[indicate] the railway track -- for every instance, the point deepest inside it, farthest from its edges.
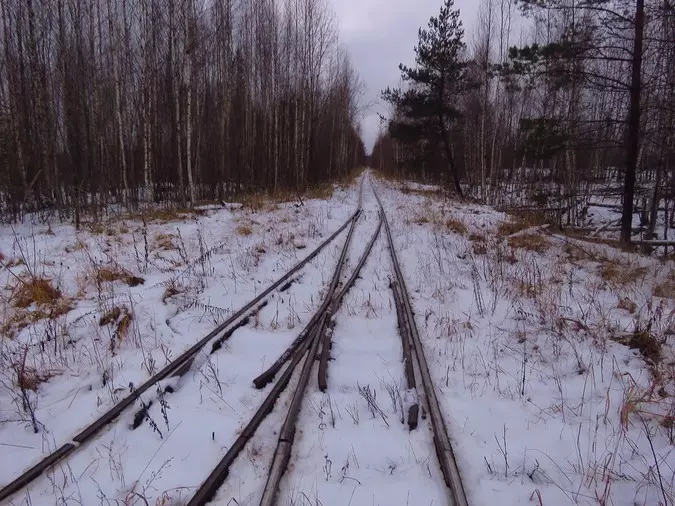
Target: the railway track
(177, 367)
(443, 447)
(313, 344)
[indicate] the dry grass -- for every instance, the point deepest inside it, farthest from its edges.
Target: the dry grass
(34, 290)
(166, 214)
(627, 305)
(33, 299)
(28, 378)
(479, 244)
(422, 192)
(320, 191)
(507, 228)
(265, 201)
(350, 178)
(665, 289)
(422, 220)
(244, 230)
(575, 234)
(255, 201)
(77, 246)
(110, 316)
(165, 241)
(652, 402)
(10, 262)
(619, 273)
(456, 226)
(117, 273)
(529, 290)
(170, 291)
(22, 318)
(530, 242)
(518, 223)
(120, 317)
(576, 253)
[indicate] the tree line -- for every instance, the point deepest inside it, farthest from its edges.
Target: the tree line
(136, 101)
(584, 100)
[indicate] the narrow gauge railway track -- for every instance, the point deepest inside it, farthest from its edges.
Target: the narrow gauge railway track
(414, 351)
(305, 346)
(313, 342)
(181, 364)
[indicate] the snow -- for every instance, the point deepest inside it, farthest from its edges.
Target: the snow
(541, 401)
(532, 400)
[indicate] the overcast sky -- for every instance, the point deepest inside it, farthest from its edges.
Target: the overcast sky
(379, 35)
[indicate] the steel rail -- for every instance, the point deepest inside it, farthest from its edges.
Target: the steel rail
(267, 376)
(406, 344)
(311, 333)
(444, 452)
(282, 453)
(176, 367)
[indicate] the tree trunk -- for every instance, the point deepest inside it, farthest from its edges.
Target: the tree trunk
(633, 134)
(452, 168)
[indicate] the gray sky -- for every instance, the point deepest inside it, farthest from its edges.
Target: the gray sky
(379, 35)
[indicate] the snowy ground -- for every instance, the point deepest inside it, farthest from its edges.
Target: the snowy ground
(527, 336)
(543, 403)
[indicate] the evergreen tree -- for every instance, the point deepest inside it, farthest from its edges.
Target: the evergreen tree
(428, 108)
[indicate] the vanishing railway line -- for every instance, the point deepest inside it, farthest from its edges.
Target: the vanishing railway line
(177, 367)
(312, 344)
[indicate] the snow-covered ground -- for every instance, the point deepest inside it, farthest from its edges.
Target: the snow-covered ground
(523, 335)
(75, 366)
(527, 336)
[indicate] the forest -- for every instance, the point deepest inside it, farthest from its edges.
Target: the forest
(550, 102)
(169, 101)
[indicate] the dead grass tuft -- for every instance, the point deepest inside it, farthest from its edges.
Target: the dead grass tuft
(117, 273)
(170, 291)
(619, 273)
(479, 244)
(165, 241)
(519, 223)
(507, 228)
(530, 290)
(627, 305)
(28, 378)
(22, 318)
(78, 246)
(254, 201)
(34, 290)
(645, 342)
(456, 226)
(167, 214)
(120, 317)
(665, 290)
(529, 242)
(244, 230)
(422, 220)
(95, 228)
(110, 316)
(322, 191)
(652, 402)
(423, 192)
(124, 324)
(34, 299)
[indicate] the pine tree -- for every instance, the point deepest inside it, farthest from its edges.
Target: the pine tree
(428, 108)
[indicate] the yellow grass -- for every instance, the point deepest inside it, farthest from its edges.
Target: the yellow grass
(530, 242)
